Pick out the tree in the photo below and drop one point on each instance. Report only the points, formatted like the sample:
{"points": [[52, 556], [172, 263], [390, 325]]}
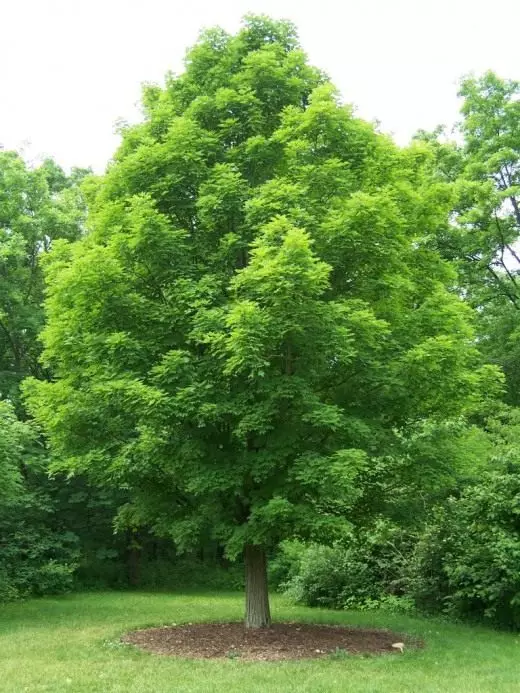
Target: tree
{"points": [[36, 206], [483, 235], [254, 313], [13, 436], [491, 129]]}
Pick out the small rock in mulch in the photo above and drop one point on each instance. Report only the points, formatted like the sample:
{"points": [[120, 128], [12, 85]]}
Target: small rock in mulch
{"points": [[281, 641]]}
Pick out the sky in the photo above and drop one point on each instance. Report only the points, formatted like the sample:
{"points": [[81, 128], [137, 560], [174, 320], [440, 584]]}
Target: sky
{"points": [[70, 69]]}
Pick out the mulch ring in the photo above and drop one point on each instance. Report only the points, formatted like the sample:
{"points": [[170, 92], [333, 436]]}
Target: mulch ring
{"points": [[281, 641]]}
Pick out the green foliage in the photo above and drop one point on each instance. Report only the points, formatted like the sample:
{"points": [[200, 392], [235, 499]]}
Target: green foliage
{"points": [[368, 571], [279, 325], [466, 563], [36, 555], [36, 559], [37, 206], [482, 239], [14, 437], [491, 216], [255, 316], [428, 462], [455, 554]]}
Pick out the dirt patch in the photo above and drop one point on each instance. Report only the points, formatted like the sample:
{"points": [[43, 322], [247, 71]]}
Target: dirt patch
{"points": [[281, 641]]}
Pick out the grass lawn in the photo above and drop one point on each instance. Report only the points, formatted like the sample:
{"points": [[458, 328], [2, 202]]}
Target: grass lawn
{"points": [[70, 644]]}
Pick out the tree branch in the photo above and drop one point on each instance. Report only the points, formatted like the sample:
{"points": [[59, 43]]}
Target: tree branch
{"points": [[512, 297]]}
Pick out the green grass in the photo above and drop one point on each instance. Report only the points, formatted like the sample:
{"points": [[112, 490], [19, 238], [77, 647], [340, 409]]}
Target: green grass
{"points": [[69, 644]]}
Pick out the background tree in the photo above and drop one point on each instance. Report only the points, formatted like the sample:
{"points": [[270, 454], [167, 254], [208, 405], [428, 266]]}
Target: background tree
{"points": [[11, 442], [39, 545], [255, 314], [483, 236], [37, 205]]}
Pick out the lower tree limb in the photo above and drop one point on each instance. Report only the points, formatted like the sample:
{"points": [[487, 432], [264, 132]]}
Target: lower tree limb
{"points": [[258, 614]]}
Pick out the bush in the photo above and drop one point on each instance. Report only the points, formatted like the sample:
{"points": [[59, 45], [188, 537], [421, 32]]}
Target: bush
{"points": [[370, 571], [284, 565], [37, 555], [467, 563], [34, 560]]}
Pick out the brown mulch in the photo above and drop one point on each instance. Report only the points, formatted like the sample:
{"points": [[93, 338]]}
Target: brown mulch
{"points": [[281, 641]]}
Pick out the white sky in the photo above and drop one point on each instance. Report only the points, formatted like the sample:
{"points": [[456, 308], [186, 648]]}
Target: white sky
{"points": [[70, 68]]}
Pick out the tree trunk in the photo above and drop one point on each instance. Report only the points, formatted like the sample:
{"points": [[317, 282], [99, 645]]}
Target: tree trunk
{"points": [[258, 614]]}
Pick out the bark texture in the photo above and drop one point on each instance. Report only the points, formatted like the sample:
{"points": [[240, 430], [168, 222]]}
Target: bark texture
{"points": [[258, 614]]}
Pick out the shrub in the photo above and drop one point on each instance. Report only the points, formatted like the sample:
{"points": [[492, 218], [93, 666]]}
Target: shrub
{"points": [[37, 556], [467, 562], [368, 571], [34, 560]]}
